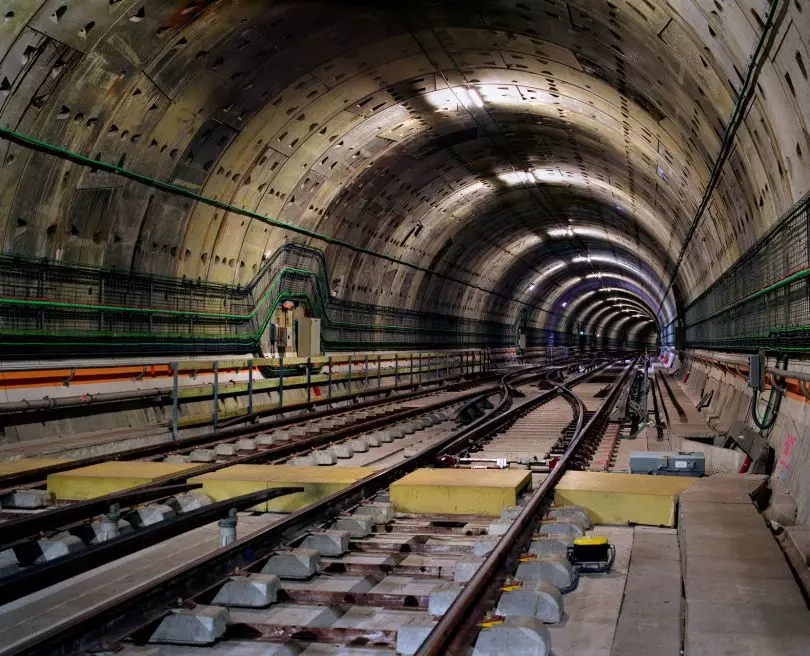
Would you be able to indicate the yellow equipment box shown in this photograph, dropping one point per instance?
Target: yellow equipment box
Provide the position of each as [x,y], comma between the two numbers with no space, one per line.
[318,482]
[108,477]
[623,498]
[459,491]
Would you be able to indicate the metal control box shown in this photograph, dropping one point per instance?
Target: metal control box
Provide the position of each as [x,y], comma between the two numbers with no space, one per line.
[667,463]
[309,337]
[756,372]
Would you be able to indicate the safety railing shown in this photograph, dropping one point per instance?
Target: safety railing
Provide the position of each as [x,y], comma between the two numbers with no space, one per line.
[53,309]
[67,308]
[763,301]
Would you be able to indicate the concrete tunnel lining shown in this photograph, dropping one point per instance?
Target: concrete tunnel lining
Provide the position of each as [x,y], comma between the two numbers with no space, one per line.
[354,122]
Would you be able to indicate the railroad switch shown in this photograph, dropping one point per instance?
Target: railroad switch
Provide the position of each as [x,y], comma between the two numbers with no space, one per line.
[590,555]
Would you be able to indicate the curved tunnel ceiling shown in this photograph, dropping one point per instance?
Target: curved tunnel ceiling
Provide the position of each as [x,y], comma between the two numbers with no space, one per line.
[522,147]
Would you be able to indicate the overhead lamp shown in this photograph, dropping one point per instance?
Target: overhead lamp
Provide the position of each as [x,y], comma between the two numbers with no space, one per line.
[598,274]
[531,287]
[565,304]
[469,97]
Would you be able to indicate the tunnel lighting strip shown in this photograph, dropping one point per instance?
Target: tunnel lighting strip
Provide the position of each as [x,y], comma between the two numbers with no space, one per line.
[171,188]
[758,57]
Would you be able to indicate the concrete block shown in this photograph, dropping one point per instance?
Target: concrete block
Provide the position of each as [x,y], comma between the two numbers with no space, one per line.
[533,599]
[526,636]
[107,477]
[484,546]
[510,513]
[201,625]
[552,569]
[411,636]
[561,527]
[287,615]
[359,445]
[459,491]
[60,545]
[266,439]
[343,450]
[251,591]
[570,512]
[380,512]
[386,436]
[317,482]
[189,501]
[324,457]
[295,564]
[281,436]
[177,459]
[397,432]
[498,528]
[411,451]
[303,461]
[425,422]
[224,450]
[101,531]
[438,417]
[8,563]
[373,439]
[781,510]
[357,526]
[328,543]
[28,499]
[466,569]
[151,514]
[335,583]
[301,431]
[202,455]
[409,428]
[551,546]
[246,444]
[442,597]
[613,498]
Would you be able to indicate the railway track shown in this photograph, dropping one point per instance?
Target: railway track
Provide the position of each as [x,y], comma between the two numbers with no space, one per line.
[229,442]
[384,583]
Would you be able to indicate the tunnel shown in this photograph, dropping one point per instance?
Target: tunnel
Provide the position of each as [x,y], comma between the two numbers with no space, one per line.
[212,193]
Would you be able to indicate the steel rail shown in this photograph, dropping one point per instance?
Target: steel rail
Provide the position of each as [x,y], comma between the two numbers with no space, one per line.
[33,476]
[454,633]
[37,577]
[115,619]
[28,526]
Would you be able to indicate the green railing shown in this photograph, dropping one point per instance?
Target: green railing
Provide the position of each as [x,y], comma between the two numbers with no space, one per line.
[763,301]
[53,306]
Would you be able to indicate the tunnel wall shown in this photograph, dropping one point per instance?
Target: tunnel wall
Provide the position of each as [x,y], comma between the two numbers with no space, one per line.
[705,371]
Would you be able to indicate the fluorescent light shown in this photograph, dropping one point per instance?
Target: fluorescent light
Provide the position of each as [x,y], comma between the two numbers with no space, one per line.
[517,177]
[565,303]
[475,97]
[594,275]
[531,287]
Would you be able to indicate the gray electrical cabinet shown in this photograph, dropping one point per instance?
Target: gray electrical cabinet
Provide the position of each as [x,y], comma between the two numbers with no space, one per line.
[309,337]
[667,463]
[756,372]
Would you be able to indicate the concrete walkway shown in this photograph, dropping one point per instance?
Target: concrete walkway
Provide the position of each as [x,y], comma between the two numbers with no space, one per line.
[741,597]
